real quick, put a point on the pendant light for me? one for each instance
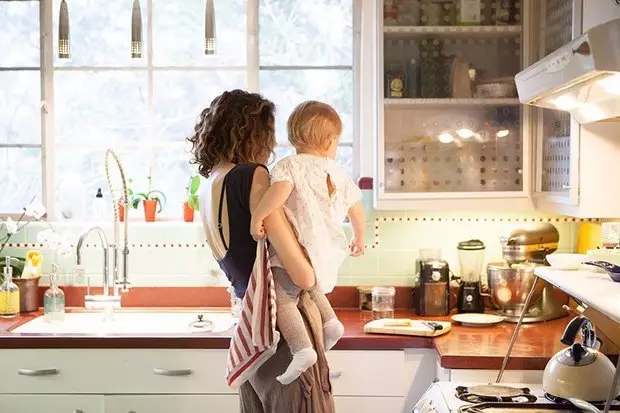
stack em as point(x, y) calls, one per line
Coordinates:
point(209, 28)
point(64, 45)
point(136, 30)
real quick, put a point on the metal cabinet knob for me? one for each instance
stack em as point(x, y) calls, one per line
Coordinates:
point(335, 374)
point(172, 373)
point(38, 372)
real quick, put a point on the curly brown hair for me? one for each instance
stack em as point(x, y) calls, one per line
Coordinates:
point(237, 127)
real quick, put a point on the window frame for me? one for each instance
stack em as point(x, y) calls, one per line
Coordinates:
point(252, 69)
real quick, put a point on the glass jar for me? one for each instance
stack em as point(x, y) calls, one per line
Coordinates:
point(383, 302)
point(9, 293)
point(365, 294)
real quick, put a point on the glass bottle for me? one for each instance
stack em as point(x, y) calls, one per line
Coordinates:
point(9, 293)
point(54, 298)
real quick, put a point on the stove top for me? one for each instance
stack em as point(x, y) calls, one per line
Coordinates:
point(547, 407)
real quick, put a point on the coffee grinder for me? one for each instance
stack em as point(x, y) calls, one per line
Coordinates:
point(471, 260)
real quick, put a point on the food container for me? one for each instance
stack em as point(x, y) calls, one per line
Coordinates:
point(500, 88)
point(566, 261)
point(365, 301)
point(510, 285)
point(383, 302)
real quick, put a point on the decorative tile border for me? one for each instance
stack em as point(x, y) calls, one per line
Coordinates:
point(376, 227)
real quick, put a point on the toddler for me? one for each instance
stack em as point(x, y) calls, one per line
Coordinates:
point(317, 196)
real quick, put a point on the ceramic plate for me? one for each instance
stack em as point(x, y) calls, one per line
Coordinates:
point(477, 320)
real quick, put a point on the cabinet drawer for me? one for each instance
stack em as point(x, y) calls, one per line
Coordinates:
point(114, 371)
point(369, 404)
point(17, 403)
point(177, 404)
point(368, 373)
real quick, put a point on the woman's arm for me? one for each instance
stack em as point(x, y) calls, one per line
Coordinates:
point(273, 199)
point(282, 237)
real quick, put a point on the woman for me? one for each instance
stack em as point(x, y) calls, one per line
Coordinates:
point(233, 139)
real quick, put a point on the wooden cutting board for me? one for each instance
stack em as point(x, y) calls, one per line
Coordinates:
point(405, 327)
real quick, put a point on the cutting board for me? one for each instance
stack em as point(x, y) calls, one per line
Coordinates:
point(405, 327)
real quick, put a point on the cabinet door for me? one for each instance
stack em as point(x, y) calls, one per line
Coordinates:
point(557, 143)
point(450, 123)
point(172, 403)
point(27, 403)
point(369, 404)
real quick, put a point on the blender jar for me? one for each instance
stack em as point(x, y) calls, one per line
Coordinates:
point(471, 259)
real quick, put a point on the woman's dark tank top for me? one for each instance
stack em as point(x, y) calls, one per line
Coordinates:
point(240, 255)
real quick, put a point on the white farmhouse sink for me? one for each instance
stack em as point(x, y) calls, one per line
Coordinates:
point(130, 322)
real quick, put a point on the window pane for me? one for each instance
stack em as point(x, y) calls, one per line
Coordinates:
point(100, 33)
point(345, 159)
point(20, 117)
point(103, 108)
point(288, 88)
point(301, 32)
point(171, 174)
point(80, 172)
point(20, 178)
point(179, 33)
point(179, 97)
point(19, 36)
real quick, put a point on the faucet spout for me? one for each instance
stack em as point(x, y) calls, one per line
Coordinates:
point(105, 246)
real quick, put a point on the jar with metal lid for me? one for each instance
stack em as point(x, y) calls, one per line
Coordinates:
point(383, 302)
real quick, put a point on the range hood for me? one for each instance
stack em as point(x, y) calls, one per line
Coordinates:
point(581, 77)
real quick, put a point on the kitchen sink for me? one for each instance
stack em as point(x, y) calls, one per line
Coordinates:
point(132, 322)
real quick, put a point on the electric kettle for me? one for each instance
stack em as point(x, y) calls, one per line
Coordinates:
point(579, 371)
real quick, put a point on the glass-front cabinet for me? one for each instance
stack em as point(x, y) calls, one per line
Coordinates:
point(450, 126)
point(557, 138)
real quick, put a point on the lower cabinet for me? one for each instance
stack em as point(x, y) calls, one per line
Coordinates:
point(369, 404)
point(172, 403)
point(26, 403)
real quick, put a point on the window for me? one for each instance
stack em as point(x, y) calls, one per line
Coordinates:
point(144, 108)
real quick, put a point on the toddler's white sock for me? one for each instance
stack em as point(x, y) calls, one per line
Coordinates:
point(332, 332)
point(302, 360)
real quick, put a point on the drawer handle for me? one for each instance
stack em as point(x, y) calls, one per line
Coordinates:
point(37, 373)
point(78, 411)
point(172, 373)
point(335, 374)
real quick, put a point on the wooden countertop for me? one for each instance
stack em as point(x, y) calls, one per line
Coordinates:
point(461, 348)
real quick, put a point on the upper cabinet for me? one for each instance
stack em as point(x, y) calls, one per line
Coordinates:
point(451, 133)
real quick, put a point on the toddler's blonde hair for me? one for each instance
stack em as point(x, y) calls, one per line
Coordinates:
point(313, 126)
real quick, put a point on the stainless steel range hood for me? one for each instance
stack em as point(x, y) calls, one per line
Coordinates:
point(582, 77)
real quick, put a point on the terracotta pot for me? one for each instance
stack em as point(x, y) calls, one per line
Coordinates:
point(28, 294)
point(150, 210)
point(188, 212)
point(121, 212)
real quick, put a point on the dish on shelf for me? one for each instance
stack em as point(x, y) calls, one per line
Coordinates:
point(496, 88)
point(477, 319)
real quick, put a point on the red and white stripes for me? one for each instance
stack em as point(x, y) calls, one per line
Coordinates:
point(254, 338)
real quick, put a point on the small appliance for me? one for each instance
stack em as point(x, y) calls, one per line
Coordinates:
point(471, 259)
point(433, 296)
point(509, 282)
point(579, 371)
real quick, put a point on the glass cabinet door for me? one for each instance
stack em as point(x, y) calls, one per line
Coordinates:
point(451, 117)
point(556, 136)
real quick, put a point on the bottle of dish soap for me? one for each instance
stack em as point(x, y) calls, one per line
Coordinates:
point(9, 293)
point(98, 206)
point(54, 298)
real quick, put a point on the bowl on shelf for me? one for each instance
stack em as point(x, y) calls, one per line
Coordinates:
point(500, 88)
point(566, 261)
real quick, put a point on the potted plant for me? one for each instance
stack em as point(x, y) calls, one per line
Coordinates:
point(121, 205)
point(153, 201)
point(191, 203)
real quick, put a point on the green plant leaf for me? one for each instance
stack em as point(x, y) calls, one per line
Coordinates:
point(137, 198)
point(194, 202)
point(194, 184)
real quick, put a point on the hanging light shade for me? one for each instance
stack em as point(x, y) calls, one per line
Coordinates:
point(136, 30)
point(64, 46)
point(209, 28)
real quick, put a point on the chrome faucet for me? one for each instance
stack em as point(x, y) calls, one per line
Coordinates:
point(124, 200)
point(94, 301)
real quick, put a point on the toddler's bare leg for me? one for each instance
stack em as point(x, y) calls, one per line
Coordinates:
point(291, 325)
point(333, 329)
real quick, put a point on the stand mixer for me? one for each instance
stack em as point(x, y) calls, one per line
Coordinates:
point(509, 282)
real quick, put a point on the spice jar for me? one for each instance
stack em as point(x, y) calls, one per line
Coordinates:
point(365, 298)
point(383, 302)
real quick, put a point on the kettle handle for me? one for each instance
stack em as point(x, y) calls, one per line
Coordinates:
point(573, 328)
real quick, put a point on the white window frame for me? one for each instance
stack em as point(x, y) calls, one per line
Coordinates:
point(252, 69)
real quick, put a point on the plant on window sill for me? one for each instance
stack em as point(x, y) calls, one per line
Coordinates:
point(153, 201)
point(192, 202)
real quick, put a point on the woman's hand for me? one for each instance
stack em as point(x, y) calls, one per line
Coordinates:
point(357, 247)
point(257, 228)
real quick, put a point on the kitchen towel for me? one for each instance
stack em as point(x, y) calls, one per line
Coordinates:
point(254, 338)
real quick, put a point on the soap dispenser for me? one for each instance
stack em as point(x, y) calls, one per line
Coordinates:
point(9, 293)
point(54, 298)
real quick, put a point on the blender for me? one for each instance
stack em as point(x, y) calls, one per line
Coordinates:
point(471, 260)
